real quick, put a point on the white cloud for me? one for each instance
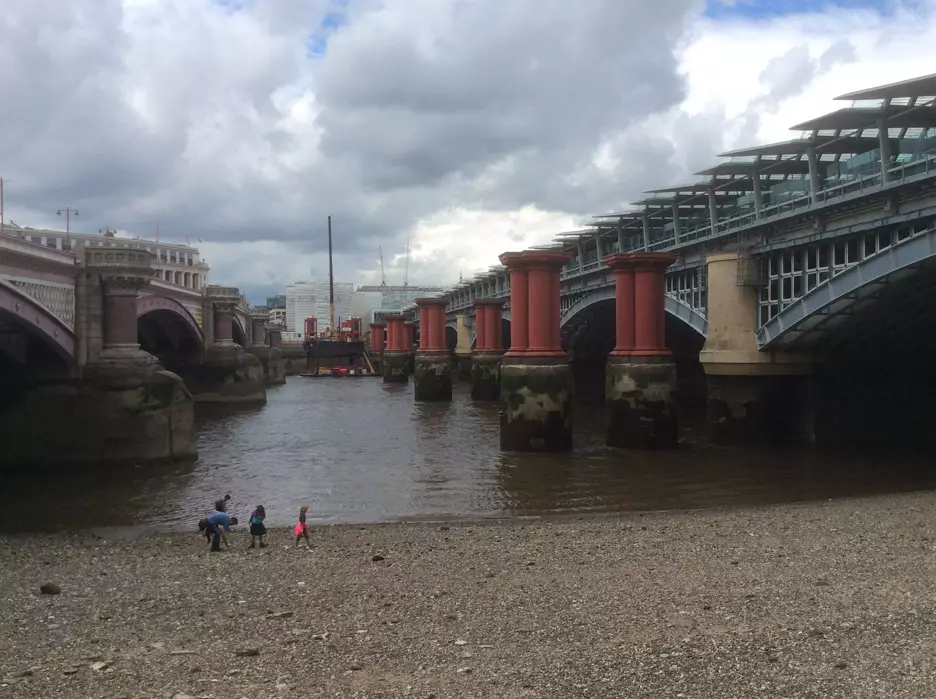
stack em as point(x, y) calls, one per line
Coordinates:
point(482, 127)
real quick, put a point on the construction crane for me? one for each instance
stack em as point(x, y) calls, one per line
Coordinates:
point(406, 266)
point(383, 274)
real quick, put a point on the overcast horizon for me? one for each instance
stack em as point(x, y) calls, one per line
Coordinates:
point(468, 127)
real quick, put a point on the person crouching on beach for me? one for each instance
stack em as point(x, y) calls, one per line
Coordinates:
point(302, 529)
point(218, 524)
point(257, 528)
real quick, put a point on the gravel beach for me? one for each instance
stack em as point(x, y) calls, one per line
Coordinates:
point(827, 599)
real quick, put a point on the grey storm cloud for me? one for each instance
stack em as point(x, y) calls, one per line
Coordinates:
point(217, 119)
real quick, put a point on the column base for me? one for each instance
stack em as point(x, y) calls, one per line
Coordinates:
point(228, 374)
point(271, 359)
point(111, 416)
point(640, 395)
point(395, 368)
point(485, 375)
point(463, 364)
point(759, 409)
point(432, 377)
point(536, 403)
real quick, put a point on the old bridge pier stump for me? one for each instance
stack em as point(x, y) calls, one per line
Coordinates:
point(489, 349)
point(536, 386)
point(395, 355)
point(433, 368)
point(640, 377)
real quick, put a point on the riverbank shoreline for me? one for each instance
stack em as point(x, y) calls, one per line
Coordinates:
point(831, 598)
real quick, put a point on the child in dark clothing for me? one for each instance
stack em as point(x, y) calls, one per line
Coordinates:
point(257, 528)
point(302, 529)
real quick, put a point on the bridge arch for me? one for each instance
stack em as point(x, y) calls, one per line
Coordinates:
point(838, 300)
point(677, 309)
point(168, 330)
point(152, 304)
point(238, 331)
point(37, 320)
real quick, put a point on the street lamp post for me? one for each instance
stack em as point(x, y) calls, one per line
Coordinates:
point(68, 214)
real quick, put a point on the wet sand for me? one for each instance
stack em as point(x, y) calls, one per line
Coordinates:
point(825, 599)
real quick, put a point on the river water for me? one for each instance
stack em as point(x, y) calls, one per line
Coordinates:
point(358, 450)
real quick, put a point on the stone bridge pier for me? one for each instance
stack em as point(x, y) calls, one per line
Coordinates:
point(463, 354)
point(753, 396)
point(227, 374)
point(116, 403)
point(271, 358)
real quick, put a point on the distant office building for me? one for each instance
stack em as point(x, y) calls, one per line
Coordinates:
point(278, 301)
point(311, 300)
point(278, 315)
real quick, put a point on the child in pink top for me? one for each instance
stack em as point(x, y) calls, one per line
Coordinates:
point(302, 529)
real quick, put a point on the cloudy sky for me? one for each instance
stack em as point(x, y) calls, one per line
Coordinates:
point(468, 127)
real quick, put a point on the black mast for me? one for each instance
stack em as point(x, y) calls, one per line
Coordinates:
point(331, 284)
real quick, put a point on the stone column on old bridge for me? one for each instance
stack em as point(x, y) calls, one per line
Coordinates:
point(228, 373)
point(432, 372)
point(536, 386)
point(489, 349)
point(271, 359)
point(376, 345)
point(463, 354)
point(753, 396)
point(640, 377)
point(124, 407)
point(395, 355)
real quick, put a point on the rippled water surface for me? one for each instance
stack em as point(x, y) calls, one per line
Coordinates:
point(358, 450)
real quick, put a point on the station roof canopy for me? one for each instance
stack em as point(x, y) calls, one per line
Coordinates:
point(741, 168)
point(857, 118)
point(915, 87)
point(697, 188)
point(632, 215)
point(837, 145)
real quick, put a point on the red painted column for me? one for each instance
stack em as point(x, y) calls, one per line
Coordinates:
point(409, 334)
point(395, 331)
point(539, 304)
point(481, 338)
point(425, 324)
point(623, 267)
point(377, 336)
point(437, 318)
point(492, 319)
point(649, 305)
point(519, 336)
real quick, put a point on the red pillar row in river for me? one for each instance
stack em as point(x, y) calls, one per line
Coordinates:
point(432, 324)
point(489, 335)
point(534, 301)
point(640, 313)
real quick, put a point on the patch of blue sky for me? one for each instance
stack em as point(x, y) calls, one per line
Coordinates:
point(768, 9)
point(317, 43)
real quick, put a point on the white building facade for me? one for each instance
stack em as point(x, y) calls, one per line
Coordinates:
point(311, 300)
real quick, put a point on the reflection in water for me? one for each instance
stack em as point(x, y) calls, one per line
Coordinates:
point(358, 450)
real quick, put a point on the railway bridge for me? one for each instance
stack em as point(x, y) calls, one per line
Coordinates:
point(795, 268)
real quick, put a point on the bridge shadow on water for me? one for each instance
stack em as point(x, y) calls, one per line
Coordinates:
point(358, 450)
